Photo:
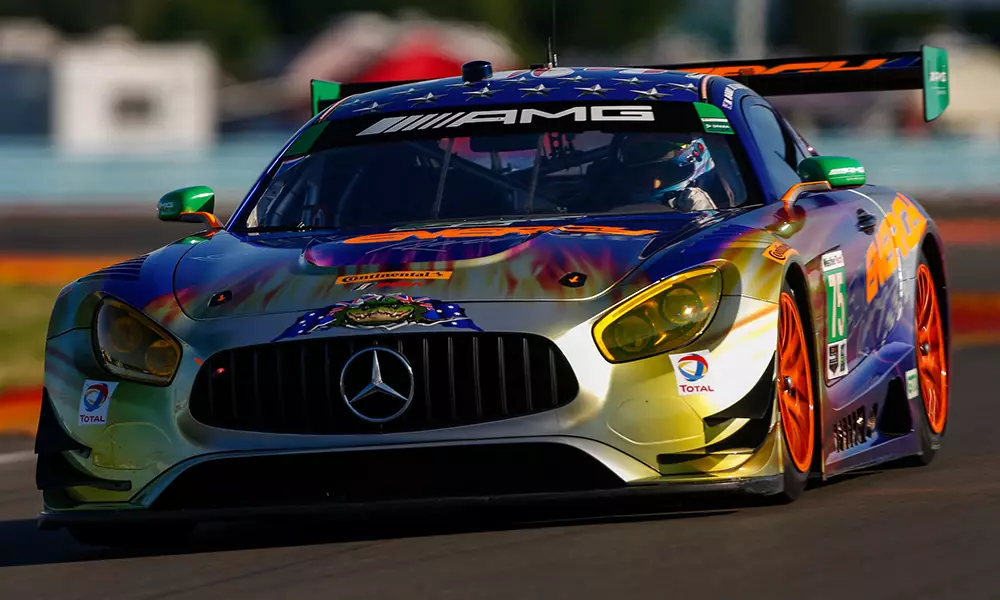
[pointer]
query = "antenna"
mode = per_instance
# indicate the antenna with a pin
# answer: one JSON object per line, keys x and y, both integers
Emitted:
{"x": 553, "y": 57}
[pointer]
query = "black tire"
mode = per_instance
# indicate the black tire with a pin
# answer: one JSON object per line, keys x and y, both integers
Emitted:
{"x": 132, "y": 536}
{"x": 793, "y": 479}
{"x": 930, "y": 442}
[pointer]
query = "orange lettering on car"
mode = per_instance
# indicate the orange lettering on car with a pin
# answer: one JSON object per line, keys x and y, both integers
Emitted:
{"x": 607, "y": 230}
{"x": 886, "y": 252}
{"x": 738, "y": 70}
{"x": 806, "y": 67}
{"x": 871, "y": 272}
{"x": 798, "y": 67}
{"x": 897, "y": 233}
{"x": 838, "y": 65}
{"x": 912, "y": 223}
{"x": 474, "y": 232}
{"x": 376, "y": 238}
{"x": 493, "y": 231}
{"x": 902, "y": 230}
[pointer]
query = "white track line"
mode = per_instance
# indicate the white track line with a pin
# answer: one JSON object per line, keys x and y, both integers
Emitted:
{"x": 16, "y": 457}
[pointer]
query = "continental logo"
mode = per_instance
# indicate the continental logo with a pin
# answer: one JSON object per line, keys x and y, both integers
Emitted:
{"x": 490, "y": 232}
{"x": 392, "y": 276}
{"x": 833, "y": 66}
{"x": 779, "y": 252}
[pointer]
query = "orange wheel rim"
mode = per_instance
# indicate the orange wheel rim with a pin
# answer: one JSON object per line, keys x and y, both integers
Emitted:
{"x": 795, "y": 394}
{"x": 931, "y": 357}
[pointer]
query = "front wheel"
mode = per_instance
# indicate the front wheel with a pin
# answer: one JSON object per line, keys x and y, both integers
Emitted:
{"x": 932, "y": 364}
{"x": 796, "y": 404}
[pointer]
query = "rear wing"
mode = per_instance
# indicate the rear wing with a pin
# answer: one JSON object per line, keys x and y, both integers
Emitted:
{"x": 925, "y": 69}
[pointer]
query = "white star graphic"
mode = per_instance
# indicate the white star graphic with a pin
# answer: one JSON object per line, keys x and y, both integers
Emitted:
{"x": 575, "y": 78}
{"x": 650, "y": 93}
{"x": 486, "y": 92}
{"x": 630, "y": 81}
{"x": 430, "y": 97}
{"x": 595, "y": 90}
{"x": 520, "y": 79}
{"x": 539, "y": 90}
{"x": 463, "y": 84}
{"x": 682, "y": 86}
{"x": 373, "y": 107}
{"x": 405, "y": 92}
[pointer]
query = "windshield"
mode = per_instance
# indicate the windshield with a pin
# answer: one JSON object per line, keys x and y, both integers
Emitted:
{"x": 424, "y": 178}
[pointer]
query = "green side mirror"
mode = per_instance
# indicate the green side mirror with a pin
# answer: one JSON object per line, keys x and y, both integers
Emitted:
{"x": 194, "y": 204}
{"x": 838, "y": 170}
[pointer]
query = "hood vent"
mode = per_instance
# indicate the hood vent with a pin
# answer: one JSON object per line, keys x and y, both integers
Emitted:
{"x": 124, "y": 271}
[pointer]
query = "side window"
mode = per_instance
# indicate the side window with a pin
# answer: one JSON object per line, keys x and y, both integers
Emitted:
{"x": 775, "y": 146}
{"x": 802, "y": 148}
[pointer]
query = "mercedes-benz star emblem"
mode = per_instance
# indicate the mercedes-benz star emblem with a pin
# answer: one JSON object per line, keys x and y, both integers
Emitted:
{"x": 382, "y": 393}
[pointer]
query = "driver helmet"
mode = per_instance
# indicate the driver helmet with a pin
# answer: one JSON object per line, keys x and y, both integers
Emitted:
{"x": 655, "y": 167}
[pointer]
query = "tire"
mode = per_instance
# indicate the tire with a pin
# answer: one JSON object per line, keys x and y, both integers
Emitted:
{"x": 132, "y": 536}
{"x": 795, "y": 396}
{"x": 932, "y": 409}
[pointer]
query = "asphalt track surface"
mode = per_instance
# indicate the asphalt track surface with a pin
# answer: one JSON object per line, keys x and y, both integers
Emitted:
{"x": 928, "y": 532}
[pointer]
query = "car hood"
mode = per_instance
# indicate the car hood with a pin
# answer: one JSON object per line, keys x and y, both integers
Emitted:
{"x": 233, "y": 274}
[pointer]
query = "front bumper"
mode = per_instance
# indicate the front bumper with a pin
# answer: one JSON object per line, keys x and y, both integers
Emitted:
{"x": 536, "y": 472}
{"x": 48, "y": 520}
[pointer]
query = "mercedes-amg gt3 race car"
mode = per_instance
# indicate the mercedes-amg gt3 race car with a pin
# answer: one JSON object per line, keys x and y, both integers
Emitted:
{"x": 510, "y": 285}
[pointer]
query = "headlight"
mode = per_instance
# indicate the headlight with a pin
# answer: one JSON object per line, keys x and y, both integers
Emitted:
{"x": 667, "y": 315}
{"x": 133, "y": 347}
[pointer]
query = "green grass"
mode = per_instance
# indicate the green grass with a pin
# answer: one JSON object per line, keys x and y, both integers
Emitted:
{"x": 24, "y": 316}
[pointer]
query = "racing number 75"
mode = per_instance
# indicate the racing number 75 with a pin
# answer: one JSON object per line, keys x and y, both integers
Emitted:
{"x": 836, "y": 306}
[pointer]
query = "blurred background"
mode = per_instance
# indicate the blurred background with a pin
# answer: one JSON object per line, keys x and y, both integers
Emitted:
{"x": 107, "y": 104}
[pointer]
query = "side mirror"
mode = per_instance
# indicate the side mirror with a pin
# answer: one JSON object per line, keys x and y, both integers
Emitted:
{"x": 194, "y": 204}
{"x": 838, "y": 170}
{"x": 821, "y": 173}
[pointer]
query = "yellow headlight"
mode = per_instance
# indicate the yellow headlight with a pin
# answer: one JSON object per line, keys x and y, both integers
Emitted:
{"x": 663, "y": 317}
{"x": 132, "y": 346}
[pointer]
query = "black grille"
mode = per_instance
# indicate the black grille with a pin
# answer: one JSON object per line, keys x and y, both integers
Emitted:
{"x": 459, "y": 379}
{"x": 125, "y": 271}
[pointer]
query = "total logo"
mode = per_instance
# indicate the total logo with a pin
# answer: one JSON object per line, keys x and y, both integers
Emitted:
{"x": 693, "y": 373}
{"x": 94, "y": 402}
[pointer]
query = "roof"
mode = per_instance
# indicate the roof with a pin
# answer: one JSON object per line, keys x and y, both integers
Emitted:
{"x": 540, "y": 85}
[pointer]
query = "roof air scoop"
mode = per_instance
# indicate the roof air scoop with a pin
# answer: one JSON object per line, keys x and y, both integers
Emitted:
{"x": 477, "y": 70}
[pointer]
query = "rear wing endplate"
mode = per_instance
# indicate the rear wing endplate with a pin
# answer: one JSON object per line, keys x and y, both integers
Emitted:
{"x": 925, "y": 69}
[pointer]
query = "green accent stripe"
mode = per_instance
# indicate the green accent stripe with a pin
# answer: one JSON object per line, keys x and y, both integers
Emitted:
{"x": 303, "y": 144}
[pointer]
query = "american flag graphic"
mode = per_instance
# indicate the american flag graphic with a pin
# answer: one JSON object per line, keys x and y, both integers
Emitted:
{"x": 427, "y": 312}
